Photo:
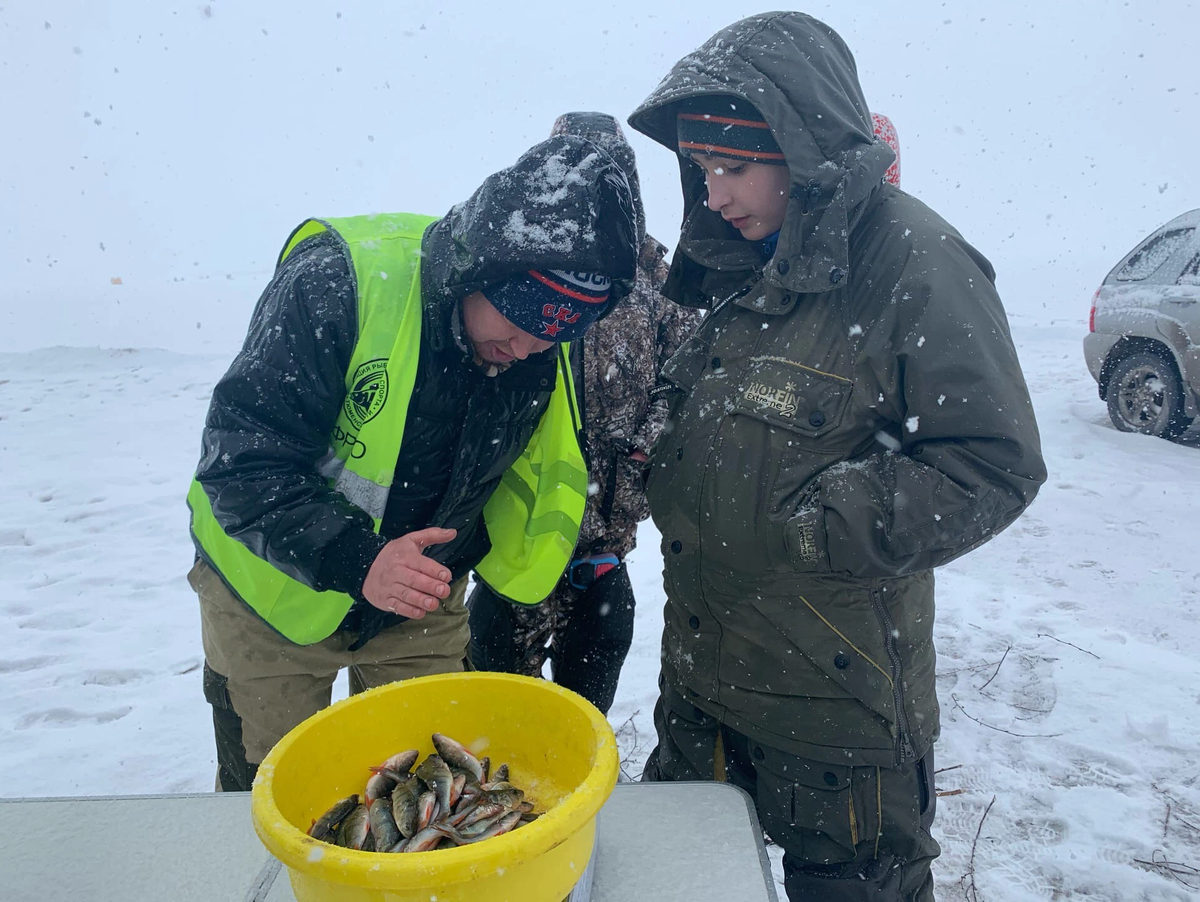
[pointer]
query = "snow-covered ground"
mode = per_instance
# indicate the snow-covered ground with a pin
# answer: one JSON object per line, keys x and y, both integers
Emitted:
{"x": 1069, "y": 674}
{"x": 171, "y": 149}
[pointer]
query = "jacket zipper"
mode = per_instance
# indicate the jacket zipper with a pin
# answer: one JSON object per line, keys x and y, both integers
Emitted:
{"x": 904, "y": 750}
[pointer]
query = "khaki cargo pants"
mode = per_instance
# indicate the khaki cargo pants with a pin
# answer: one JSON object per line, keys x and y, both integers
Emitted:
{"x": 260, "y": 685}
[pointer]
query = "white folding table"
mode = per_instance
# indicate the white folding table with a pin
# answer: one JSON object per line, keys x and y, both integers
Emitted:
{"x": 691, "y": 842}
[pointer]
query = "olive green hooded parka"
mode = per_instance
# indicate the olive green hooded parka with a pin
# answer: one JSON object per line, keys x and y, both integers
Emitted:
{"x": 849, "y": 415}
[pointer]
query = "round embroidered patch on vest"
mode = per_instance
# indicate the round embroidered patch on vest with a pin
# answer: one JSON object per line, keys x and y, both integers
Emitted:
{"x": 368, "y": 392}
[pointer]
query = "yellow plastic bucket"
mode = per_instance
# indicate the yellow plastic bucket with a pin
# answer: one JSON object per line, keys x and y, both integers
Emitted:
{"x": 560, "y": 750}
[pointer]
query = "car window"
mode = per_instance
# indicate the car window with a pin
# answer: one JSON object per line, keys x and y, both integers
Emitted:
{"x": 1151, "y": 255}
{"x": 1191, "y": 272}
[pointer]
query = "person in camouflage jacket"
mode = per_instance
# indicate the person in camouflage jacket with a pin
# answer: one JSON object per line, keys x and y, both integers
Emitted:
{"x": 585, "y": 627}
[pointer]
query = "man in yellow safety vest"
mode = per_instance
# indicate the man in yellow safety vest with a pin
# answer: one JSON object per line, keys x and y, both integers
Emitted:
{"x": 400, "y": 413}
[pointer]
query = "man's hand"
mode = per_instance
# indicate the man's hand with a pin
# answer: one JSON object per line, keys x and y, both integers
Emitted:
{"x": 403, "y": 581}
{"x": 639, "y": 456}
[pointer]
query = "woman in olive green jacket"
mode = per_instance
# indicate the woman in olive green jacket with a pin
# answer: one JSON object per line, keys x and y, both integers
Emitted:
{"x": 850, "y": 415}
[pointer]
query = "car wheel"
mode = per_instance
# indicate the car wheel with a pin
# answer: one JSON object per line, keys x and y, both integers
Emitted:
{"x": 1145, "y": 395}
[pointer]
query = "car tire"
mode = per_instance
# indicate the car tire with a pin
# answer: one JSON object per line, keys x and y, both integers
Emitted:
{"x": 1145, "y": 394}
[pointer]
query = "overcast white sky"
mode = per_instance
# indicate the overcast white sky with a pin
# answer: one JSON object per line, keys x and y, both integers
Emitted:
{"x": 174, "y": 145}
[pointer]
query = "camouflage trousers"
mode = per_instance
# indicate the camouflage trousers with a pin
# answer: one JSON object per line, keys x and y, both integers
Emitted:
{"x": 585, "y": 634}
{"x": 260, "y": 685}
{"x": 849, "y": 834}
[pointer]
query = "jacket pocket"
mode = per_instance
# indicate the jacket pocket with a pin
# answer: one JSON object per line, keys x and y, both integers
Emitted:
{"x": 789, "y": 394}
{"x": 830, "y": 808}
{"x": 837, "y": 631}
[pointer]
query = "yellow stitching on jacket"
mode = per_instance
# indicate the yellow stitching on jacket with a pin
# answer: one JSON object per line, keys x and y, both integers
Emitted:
{"x": 853, "y": 819}
{"x": 801, "y": 366}
{"x": 840, "y": 635}
{"x": 719, "y": 758}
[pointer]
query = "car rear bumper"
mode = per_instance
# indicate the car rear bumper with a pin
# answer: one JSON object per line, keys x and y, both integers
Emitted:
{"x": 1096, "y": 346}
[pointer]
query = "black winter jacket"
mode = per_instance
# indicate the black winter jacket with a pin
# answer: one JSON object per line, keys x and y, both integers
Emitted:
{"x": 565, "y": 204}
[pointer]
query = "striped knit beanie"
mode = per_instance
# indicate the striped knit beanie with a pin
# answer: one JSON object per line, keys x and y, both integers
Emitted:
{"x": 726, "y": 126}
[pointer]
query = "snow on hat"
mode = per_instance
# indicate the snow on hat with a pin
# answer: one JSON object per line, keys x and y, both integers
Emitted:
{"x": 604, "y": 130}
{"x": 726, "y": 126}
{"x": 551, "y": 304}
{"x": 600, "y": 128}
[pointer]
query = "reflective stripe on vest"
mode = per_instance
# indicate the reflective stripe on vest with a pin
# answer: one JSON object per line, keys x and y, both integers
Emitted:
{"x": 537, "y": 524}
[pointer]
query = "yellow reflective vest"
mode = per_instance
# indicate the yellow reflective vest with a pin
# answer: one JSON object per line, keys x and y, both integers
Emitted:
{"x": 533, "y": 516}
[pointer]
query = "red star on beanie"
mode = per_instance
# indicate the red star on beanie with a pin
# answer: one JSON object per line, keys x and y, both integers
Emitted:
{"x": 550, "y": 303}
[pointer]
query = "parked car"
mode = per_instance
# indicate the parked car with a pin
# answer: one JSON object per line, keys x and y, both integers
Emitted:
{"x": 1143, "y": 341}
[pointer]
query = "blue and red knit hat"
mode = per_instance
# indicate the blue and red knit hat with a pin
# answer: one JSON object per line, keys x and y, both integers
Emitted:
{"x": 551, "y": 304}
